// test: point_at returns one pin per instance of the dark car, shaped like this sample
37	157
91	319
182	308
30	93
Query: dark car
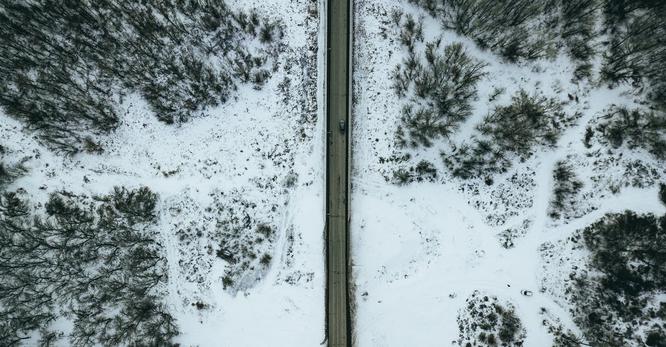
342	126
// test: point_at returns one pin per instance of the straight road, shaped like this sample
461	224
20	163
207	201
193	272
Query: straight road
337	176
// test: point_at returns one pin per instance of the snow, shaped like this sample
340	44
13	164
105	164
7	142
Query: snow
420	250
250	147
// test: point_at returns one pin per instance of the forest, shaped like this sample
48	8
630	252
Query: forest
67	66
98	261
615	298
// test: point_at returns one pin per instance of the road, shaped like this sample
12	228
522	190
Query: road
337	177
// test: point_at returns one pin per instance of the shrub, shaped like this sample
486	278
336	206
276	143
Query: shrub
635	129
243	234
656	338
410	32
530	121
566	189
589	134
402	176
439	91
485	320
266	259
8	172
424	171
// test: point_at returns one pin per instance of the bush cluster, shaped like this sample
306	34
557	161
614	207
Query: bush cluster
515	130
628	259
97	262
439	86
635	129
508	236
424	171
65	66
487	322
565	190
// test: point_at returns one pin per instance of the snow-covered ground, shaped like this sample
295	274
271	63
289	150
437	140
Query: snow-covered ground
264	148
420	250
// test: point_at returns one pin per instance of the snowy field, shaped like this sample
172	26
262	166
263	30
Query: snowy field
421	250
257	158
462	232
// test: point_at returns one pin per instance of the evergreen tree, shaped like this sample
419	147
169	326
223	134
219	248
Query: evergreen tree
511	131
67	65
440	90
97	263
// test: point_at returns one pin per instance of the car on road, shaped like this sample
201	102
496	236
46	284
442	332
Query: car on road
342	126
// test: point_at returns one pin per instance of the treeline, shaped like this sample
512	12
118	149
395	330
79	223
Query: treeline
629	35
520	30
527	30
66	65
95	261
636	49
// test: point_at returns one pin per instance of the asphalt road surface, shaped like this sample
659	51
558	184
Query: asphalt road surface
337	181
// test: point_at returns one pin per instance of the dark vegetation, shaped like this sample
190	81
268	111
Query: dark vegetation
566	189
245	240
576	23
508	236
439	86
487	322
516	130
629	37
634	129
424	171
66	66
662	193
527	30
524	29
636	49
8	172
96	261
562	337
617	304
